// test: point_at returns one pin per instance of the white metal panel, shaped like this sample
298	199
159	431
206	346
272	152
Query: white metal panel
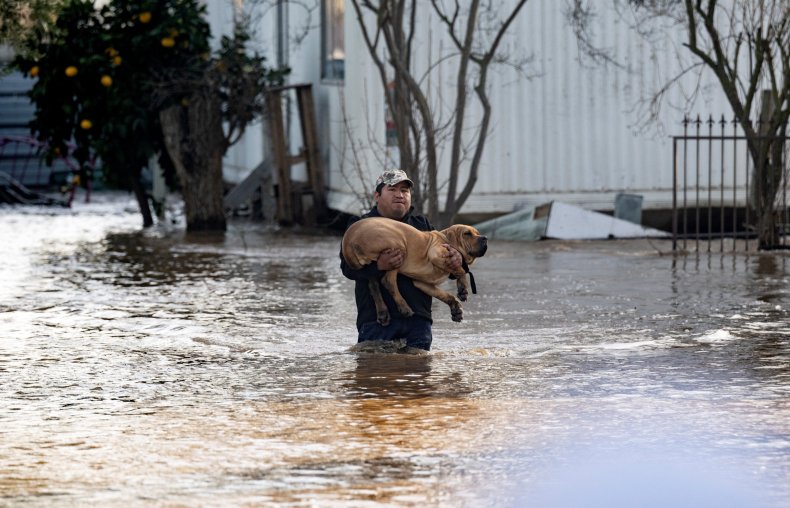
356	126
242	157
568	134
568	222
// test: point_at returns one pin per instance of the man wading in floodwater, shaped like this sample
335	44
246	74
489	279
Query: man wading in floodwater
393	201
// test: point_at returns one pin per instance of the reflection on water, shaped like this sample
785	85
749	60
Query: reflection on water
155	367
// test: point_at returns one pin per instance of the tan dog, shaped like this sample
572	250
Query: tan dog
423	262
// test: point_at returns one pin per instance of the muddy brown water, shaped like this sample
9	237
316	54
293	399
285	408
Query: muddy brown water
157	368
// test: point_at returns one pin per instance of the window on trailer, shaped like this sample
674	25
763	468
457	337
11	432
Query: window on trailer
333	50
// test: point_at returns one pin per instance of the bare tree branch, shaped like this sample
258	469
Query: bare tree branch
720	36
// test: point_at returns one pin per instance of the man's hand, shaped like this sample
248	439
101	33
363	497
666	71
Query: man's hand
452	258
389	259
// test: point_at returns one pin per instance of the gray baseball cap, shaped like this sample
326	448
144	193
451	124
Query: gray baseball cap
392	177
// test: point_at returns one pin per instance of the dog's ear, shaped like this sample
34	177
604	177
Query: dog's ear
469	238
455	236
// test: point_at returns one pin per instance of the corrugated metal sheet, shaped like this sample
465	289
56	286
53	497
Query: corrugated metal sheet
569	133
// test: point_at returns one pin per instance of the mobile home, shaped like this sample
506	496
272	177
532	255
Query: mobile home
563	127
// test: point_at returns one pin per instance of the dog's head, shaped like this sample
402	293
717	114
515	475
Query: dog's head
469	242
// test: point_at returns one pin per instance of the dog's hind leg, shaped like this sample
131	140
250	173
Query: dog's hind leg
390	282
382	314
455	305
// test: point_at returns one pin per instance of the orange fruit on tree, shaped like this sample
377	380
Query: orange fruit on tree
71	71
106	81
168	42
86	124
116	60
145	17
34	71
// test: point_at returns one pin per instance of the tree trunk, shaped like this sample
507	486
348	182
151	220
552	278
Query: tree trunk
194	139
142	201
766	233
767	175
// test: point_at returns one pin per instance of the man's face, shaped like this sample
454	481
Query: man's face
394	200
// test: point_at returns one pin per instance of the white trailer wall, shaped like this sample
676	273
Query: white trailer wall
569	132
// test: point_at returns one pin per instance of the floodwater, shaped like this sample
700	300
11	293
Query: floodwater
153	368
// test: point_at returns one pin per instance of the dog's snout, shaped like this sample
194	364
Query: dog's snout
482	244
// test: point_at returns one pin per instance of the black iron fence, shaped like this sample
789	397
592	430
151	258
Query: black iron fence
714	187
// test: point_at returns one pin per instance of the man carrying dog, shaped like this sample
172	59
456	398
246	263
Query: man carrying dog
393	201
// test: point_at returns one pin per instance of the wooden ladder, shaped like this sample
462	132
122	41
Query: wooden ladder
289	193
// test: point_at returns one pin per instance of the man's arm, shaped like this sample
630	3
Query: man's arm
452	258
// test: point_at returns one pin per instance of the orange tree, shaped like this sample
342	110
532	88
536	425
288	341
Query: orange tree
104	75
95	73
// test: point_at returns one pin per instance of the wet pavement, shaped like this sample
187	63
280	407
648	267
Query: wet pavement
164	369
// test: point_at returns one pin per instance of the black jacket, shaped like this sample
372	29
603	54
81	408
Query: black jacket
366	309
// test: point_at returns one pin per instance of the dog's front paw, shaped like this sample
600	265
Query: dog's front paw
383	318
457	313
463	293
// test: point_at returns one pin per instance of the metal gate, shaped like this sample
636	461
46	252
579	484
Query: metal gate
712	185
